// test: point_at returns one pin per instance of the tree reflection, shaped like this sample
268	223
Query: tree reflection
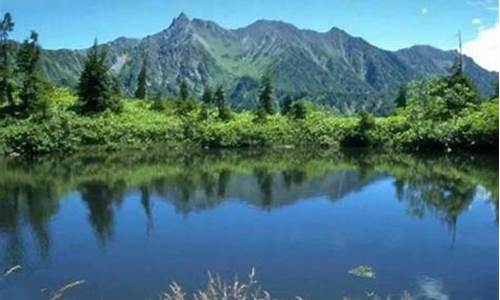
146	205
265	182
222	182
33	202
100	197
426	190
30	194
293	177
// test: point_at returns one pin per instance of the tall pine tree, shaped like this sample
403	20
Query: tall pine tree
141	92
7	83
32	83
183	90
266	98
287	105
220	101
208	97
402	96
97	90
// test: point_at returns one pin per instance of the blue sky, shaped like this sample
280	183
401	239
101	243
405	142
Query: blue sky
390	24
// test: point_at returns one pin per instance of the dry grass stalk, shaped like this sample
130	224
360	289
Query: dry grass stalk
12	270
60	292
218	289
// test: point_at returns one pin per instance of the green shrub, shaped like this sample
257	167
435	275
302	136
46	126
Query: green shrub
141	124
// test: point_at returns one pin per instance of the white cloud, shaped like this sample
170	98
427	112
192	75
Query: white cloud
476	21
484	48
424	10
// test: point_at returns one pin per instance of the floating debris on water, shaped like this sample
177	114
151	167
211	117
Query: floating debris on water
363	271
59	293
12	270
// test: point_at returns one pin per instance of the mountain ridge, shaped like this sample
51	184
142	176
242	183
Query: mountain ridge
330	68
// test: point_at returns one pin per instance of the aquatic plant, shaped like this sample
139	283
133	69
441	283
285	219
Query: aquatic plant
362	271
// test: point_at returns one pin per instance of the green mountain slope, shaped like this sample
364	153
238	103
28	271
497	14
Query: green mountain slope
331	68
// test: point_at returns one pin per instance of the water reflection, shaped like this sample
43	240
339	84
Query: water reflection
31	192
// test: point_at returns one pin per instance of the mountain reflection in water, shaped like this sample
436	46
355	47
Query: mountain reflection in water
32	193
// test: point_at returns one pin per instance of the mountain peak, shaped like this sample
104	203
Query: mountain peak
329	67
180	21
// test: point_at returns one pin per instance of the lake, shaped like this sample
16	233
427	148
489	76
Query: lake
131	223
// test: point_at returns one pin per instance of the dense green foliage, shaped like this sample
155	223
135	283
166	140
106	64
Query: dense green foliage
145	123
97	90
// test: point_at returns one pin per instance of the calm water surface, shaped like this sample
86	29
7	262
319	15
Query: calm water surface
129	224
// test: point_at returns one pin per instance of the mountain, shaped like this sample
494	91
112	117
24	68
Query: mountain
332	68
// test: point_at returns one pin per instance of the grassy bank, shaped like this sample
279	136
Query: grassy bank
141	123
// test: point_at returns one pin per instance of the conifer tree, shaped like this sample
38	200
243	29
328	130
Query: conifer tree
32	83
208	97
7	83
183	90
287	104
141	92
97	91
266	98
220	101
298	110
402	95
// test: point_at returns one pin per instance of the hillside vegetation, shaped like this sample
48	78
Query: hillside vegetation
440	114
141	123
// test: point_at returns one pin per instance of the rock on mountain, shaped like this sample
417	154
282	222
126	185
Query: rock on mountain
331	68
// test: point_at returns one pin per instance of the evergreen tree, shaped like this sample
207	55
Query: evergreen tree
298	110
365	124
117	87
402	95
7	83
266	98
141	92
458	82
208	97
183	90
96	88
287	105
220	102
158	102
495	86
32	83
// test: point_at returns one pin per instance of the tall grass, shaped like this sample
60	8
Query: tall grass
218	289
